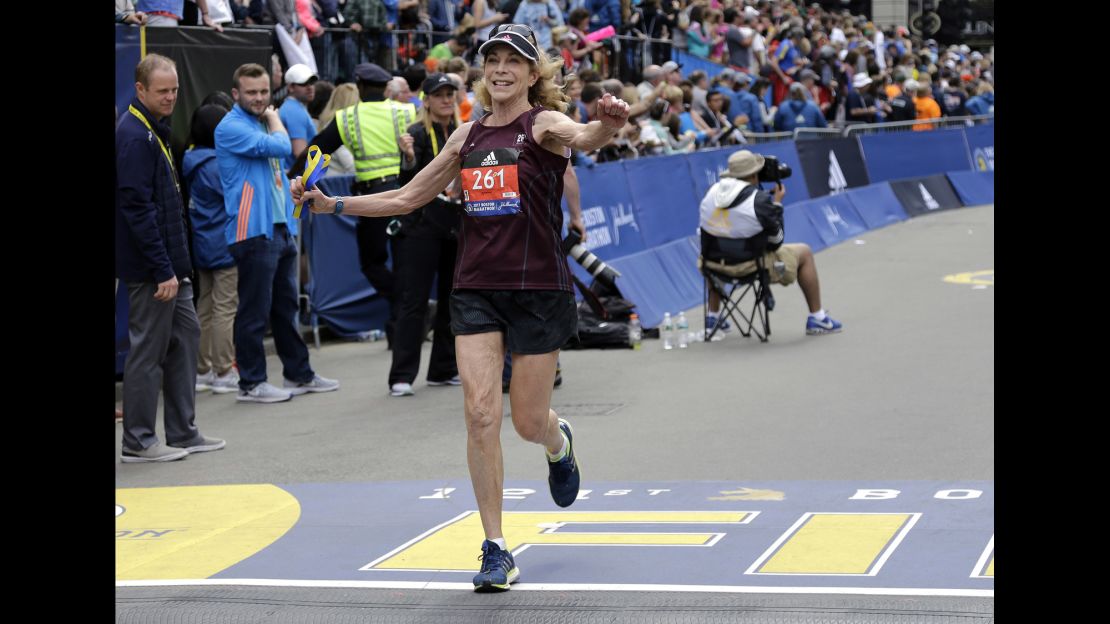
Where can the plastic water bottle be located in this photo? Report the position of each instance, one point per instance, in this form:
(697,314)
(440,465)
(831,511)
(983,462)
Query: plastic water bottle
(668,332)
(635,333)
(683,329)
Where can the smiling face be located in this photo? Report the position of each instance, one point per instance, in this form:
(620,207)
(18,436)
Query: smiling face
(508,75)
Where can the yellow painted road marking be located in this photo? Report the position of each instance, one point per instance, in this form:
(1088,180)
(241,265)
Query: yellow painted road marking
(975,278)
(835,543)
(195,532)
(744,493)
(984,568)
(453,546)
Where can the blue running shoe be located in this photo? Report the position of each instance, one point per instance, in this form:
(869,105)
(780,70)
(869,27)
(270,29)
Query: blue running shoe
(498,569)
(563,475)
(827,326)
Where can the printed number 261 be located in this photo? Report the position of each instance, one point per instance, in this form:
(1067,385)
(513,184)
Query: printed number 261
(485,179)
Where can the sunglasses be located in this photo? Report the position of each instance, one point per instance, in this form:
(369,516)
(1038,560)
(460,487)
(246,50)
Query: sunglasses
(520,29)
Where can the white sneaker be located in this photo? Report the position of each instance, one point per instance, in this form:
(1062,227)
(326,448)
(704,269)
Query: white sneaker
(228,382)
(204,382)
(401,389)
(263,393)
(318,384)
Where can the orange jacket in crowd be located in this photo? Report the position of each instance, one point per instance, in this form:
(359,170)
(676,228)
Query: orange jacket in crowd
(927,108)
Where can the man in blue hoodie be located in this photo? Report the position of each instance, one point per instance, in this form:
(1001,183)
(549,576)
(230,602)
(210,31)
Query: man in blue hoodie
(152,262)
(798,112)
(250,143)
(983,102)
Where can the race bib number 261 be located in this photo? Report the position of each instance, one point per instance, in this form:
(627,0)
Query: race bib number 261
(490,184)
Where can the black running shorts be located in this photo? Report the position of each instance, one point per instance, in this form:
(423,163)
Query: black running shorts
(533,321)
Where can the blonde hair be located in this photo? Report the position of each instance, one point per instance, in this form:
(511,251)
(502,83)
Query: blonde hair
(344,95)
(546,92)
(673,94)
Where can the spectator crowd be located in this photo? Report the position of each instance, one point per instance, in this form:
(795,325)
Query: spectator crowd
(783,65)
(762,67)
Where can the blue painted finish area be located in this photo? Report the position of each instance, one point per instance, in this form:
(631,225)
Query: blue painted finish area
(345,530)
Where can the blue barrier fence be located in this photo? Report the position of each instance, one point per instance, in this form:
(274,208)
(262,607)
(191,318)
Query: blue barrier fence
(642,216)
(897,155)
(980,143)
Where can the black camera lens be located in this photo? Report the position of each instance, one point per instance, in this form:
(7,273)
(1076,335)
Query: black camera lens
(773,170)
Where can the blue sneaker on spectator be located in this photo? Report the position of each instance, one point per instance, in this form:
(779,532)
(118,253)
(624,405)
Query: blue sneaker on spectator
(562,475)
(711,321)
(498,569)
(827,326)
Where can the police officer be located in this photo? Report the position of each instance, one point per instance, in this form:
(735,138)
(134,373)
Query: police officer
(374,131)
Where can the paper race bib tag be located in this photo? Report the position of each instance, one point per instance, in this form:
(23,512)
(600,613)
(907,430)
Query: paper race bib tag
(490,186)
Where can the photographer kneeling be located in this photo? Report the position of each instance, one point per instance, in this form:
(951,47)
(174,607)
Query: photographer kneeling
(740,218)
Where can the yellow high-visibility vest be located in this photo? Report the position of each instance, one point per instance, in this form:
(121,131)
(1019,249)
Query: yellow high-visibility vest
(372,131)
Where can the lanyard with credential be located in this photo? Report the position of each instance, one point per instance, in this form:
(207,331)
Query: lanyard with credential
(435,142)
(134,111)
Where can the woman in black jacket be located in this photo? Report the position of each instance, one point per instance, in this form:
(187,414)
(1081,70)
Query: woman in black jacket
(424,246)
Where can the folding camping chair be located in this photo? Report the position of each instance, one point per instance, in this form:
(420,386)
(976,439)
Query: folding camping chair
(734,286)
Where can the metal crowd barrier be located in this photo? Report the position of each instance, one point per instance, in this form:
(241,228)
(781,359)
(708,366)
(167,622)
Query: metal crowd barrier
(858,129)
(817,133)
(904,126)
(767,137)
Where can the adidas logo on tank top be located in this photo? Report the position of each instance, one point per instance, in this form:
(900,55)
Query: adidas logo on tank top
(489,161)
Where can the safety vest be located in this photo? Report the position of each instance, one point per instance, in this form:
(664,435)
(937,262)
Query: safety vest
(372,131)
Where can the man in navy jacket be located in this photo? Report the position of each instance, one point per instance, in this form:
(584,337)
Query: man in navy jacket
(152,262)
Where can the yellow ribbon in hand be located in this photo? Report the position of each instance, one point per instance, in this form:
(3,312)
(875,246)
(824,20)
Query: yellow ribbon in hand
(314,169)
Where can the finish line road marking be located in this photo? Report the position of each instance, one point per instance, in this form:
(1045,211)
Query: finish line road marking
(915,538)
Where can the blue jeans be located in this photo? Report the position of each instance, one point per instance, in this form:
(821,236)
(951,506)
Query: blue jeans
(268,292)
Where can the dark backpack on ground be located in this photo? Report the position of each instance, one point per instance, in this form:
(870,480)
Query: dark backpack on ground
(603,318)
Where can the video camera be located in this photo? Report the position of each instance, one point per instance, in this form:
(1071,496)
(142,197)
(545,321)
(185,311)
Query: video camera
(773,170)
(573,247)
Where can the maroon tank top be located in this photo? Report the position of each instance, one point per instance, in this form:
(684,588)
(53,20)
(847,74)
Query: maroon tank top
(512,214)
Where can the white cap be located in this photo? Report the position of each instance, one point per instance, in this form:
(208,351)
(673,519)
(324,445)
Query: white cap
(299,74)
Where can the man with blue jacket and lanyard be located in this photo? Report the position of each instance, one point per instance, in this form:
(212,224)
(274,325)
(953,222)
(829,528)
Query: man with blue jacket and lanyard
(250,144)
(152,263)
